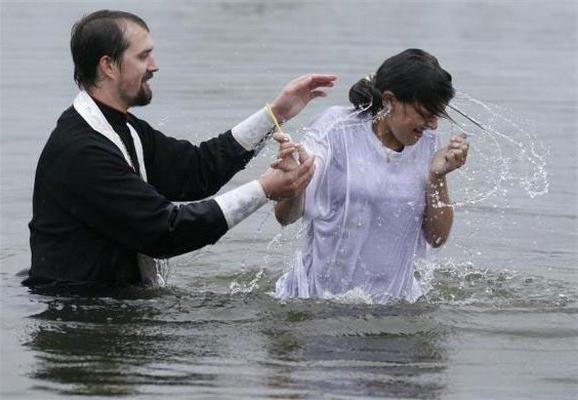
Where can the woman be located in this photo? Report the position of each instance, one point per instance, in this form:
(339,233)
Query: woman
(379,191)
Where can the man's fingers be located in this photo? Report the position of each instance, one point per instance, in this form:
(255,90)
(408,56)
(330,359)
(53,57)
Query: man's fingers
(317,93)
(303,155)
(305,167)
(290,182)
(286,152)
(312,81)
(288,145)
(281,137)
(276,164)
(282,165)
(320,80)
(302,181)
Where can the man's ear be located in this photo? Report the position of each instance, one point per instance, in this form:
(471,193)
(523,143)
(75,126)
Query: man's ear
(107,67)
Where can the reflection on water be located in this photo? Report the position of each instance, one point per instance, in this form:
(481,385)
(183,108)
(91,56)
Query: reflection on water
(136,340)
(119,346)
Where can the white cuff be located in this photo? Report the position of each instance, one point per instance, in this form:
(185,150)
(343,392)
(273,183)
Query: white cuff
(254,131)
(239,203)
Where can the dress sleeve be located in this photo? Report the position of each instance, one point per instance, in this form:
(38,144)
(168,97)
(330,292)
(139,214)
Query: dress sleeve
(99,188)
(317,197)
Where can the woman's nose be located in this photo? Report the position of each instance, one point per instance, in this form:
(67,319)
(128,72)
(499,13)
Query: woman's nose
(432,123)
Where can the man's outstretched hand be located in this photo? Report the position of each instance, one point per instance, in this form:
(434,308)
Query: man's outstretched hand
(297,93)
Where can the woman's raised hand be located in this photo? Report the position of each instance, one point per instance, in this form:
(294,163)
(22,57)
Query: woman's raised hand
(450,157)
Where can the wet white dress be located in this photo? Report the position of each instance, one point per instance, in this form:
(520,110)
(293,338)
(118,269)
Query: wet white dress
(363,214)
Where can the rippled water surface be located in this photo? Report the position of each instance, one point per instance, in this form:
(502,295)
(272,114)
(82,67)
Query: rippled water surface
(500,317)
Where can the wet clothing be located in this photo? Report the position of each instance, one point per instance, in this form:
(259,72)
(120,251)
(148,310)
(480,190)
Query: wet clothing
(363,214)
(92,212)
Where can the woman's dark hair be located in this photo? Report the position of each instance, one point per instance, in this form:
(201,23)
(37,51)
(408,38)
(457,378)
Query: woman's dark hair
(96,35)
(413,76)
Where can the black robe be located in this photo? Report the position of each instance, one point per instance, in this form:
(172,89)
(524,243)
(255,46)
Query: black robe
(92,213)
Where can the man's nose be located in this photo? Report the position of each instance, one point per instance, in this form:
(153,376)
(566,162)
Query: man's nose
(153,66)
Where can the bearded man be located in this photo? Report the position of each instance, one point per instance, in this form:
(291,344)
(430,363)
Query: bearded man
(106,180)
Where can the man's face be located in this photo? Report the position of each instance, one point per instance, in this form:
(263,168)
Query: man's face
(137,66)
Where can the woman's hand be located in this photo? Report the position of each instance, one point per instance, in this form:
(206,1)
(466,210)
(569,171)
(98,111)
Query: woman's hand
(450,157)
(438,214)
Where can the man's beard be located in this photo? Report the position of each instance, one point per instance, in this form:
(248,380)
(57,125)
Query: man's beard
(143,97)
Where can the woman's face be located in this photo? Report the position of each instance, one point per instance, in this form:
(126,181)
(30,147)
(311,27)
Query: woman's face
(407,122)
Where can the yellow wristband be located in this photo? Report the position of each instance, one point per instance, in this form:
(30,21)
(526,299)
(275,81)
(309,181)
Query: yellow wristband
(270,110)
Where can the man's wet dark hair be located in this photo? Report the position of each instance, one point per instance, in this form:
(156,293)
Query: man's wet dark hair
(413,76)
(99,34)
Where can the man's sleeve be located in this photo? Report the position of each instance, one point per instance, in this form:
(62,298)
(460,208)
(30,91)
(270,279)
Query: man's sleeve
(182,171)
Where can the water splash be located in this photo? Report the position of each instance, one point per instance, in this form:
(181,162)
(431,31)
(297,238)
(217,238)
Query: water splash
(504,153)
(240,286)
(236,287)
(454,282)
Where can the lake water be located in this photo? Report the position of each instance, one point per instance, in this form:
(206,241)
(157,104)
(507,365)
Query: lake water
(500,320)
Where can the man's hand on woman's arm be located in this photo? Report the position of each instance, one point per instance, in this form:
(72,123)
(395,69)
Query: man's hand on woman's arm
(291,159)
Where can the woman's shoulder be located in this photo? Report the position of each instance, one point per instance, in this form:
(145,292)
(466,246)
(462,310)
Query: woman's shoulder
(333,120)
(337,114)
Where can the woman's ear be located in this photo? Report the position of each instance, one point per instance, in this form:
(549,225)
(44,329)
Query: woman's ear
(388,100)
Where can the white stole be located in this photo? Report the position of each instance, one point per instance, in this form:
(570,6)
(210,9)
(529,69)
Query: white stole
(153,271)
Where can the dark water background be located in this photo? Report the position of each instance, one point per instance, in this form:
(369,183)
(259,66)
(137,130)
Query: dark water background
(500,321)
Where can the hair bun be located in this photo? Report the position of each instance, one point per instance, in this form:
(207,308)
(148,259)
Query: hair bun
(365,96)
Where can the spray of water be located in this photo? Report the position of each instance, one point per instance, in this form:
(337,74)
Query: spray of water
(505,152)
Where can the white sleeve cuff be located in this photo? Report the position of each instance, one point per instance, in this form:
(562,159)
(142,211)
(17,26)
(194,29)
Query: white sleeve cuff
(239,203)
(254,131)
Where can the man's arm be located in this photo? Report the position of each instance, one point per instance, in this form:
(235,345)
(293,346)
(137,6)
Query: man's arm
(184,172)
(98,187)
(275,184)
(181,171)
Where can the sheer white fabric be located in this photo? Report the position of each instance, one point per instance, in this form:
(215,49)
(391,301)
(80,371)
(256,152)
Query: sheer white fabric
(363,214)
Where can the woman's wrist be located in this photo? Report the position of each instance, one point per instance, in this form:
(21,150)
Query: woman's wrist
(436,178)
